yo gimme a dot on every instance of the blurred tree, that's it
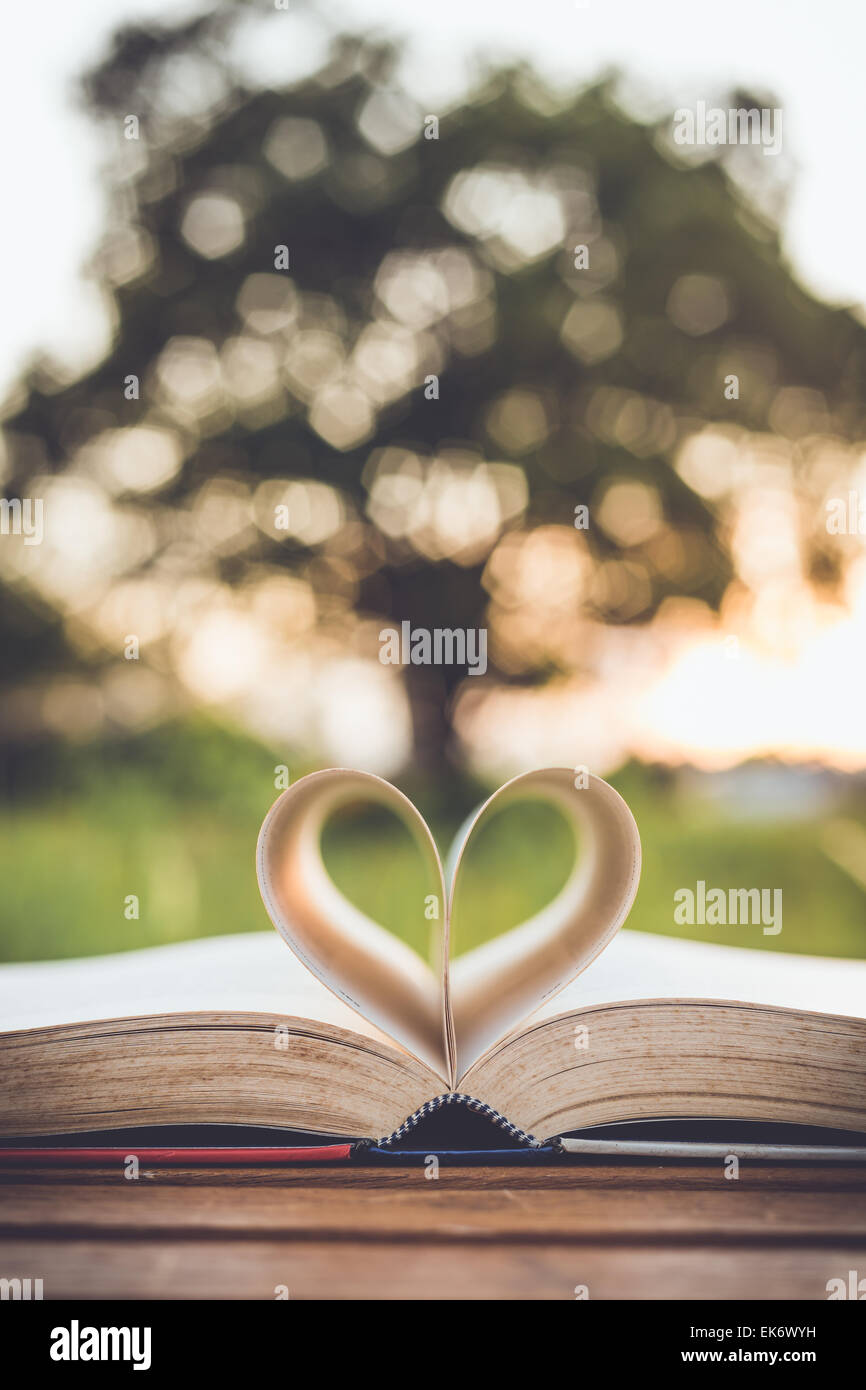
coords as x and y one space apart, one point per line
435 316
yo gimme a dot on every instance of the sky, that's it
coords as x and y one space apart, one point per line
809 56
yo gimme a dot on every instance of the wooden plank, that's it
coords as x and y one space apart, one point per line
436 1211
609 1176
255 1269
626 1230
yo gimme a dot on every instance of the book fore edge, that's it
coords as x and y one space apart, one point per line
430 1107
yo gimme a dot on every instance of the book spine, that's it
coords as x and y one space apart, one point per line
482 1157
456 1098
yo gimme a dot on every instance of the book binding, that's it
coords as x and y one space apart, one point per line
457 1098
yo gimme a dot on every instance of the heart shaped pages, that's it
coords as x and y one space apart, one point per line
447 1016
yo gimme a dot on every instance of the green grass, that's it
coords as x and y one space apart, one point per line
684 839
519 861
174 819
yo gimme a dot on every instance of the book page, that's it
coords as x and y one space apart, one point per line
251 972
369 969
637 965
500 983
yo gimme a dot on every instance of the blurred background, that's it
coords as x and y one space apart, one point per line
249 468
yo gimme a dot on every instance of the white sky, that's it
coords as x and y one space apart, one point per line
809 55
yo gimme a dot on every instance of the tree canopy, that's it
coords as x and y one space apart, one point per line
432 338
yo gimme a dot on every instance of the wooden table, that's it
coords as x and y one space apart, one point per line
624 1230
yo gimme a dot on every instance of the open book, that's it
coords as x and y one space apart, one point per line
337 1028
